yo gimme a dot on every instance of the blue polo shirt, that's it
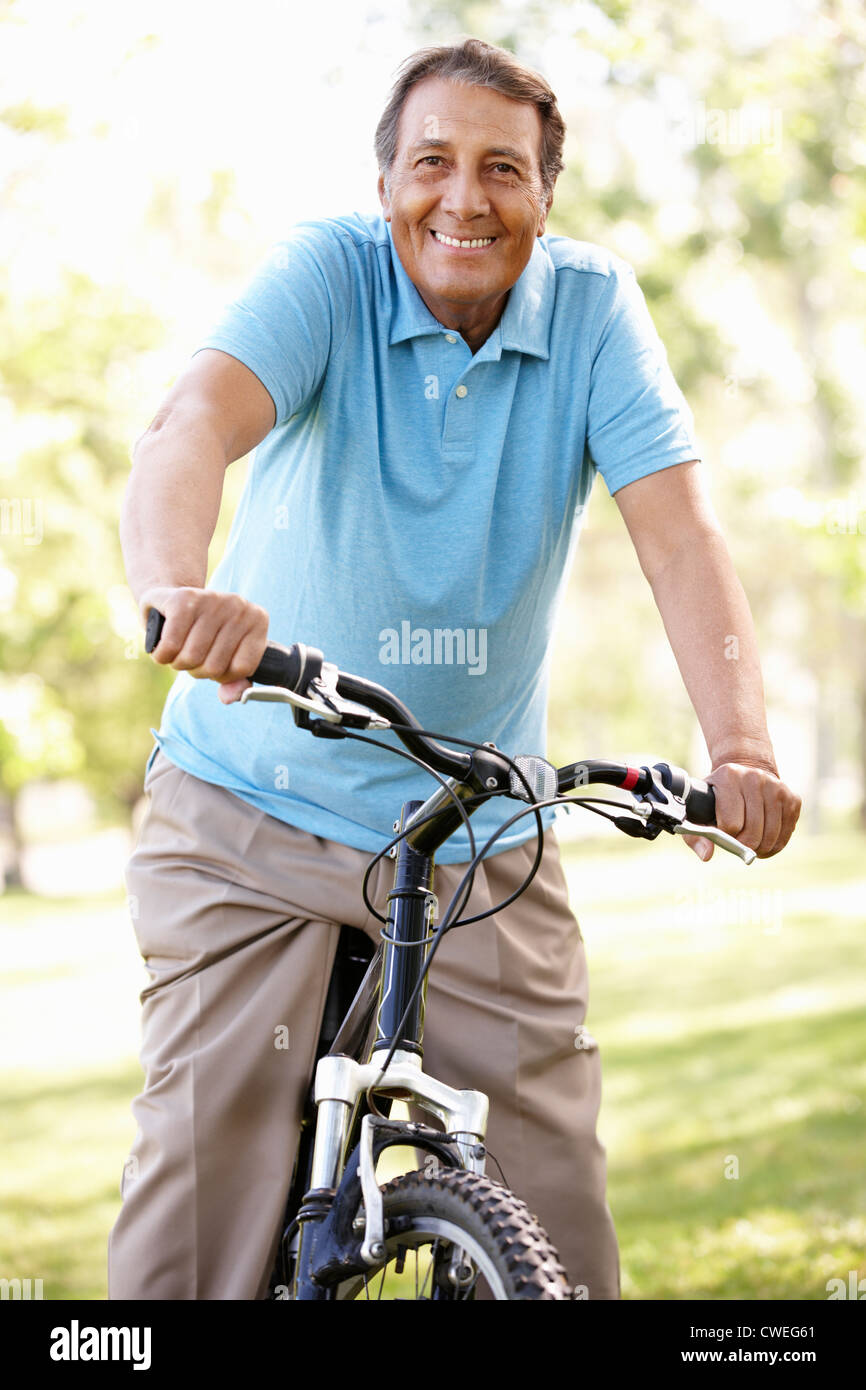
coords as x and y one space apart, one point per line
414 509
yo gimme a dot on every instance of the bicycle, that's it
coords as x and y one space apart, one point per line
467 1233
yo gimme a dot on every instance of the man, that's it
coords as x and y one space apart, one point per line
432 391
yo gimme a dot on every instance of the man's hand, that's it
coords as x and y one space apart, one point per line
219 637
754 806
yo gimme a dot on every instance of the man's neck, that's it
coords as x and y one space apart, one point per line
473 326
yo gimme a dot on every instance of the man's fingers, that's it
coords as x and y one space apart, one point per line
781 817
248 654
230 691
702 848
753 785
730 805
754 806
772 826
213 636
232 653
197 644
175 631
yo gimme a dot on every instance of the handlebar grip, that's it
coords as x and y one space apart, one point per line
153 632
699 797
290 667
280 666
701 803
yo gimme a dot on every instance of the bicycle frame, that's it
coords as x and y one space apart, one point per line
342 1080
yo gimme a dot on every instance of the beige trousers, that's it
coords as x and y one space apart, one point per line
237 918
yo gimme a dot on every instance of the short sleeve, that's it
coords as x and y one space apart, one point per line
638 421
290 318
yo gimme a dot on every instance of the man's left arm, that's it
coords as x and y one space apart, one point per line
685 558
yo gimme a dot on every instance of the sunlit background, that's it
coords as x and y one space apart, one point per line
150 155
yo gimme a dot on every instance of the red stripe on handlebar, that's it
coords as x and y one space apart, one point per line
631 779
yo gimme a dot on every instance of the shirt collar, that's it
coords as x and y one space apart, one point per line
525 322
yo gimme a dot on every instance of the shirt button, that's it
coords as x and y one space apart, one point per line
449 338
462 391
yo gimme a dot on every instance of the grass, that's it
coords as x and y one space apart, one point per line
68 1071
729 1006
64 1142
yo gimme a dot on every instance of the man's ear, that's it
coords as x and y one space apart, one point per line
383 197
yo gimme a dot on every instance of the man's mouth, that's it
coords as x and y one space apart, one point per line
465 244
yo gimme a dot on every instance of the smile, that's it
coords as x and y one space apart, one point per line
477 245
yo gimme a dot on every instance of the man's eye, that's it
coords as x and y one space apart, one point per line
510 167
431 158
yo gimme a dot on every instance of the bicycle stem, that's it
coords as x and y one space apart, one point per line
411 912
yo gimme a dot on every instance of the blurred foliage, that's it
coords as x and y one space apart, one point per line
29 118
71 685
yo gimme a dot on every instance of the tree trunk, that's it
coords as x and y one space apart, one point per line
862 748
11 847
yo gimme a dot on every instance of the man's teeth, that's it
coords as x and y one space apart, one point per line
452 241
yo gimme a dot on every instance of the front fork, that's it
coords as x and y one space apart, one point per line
340 1084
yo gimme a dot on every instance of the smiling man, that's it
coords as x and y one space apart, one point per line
466 198
432 390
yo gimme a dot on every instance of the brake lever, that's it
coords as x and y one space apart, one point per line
278 695
718 837
672 817
327 704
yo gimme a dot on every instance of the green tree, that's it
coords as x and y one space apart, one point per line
70 684
77 693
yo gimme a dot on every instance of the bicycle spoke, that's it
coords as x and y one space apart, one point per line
430 1268
435 1251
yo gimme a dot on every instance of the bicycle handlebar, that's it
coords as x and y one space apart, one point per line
290 667
294 668
699 797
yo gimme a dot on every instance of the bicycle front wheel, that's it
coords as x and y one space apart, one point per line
457 1236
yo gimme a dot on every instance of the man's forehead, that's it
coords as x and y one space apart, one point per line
449 112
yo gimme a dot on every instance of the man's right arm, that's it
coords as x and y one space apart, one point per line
216 413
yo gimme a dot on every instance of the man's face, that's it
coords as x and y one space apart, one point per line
467 168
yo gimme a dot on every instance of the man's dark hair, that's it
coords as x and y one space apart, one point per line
482 65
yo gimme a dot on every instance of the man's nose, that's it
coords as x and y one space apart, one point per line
463 195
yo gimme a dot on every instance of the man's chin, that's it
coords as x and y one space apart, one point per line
464 289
